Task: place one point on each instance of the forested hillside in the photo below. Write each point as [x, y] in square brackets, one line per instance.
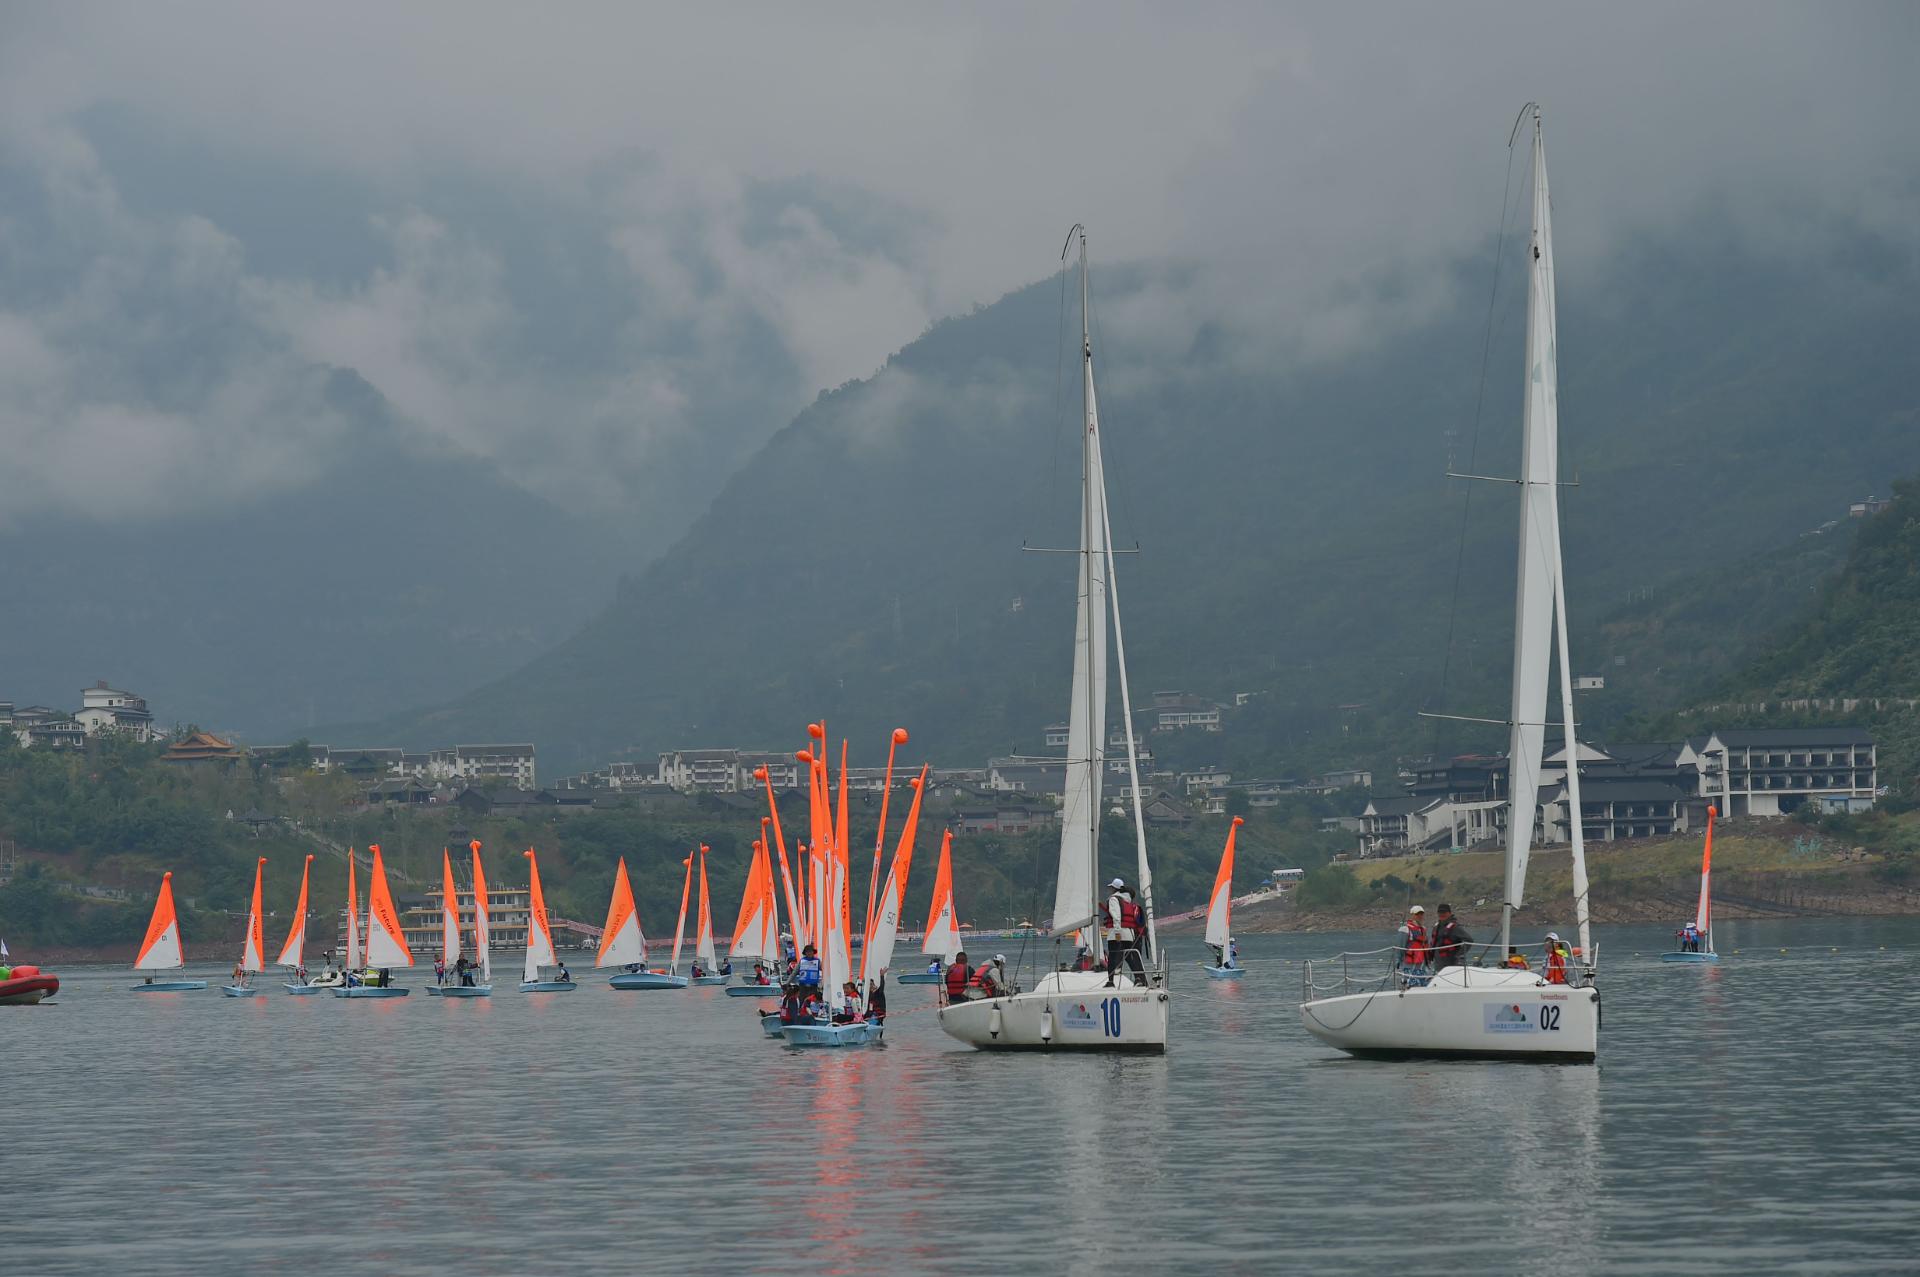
[1298, 538]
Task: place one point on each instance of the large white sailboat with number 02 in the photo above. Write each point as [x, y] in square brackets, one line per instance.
[1498, 1012]
[1070, 1010]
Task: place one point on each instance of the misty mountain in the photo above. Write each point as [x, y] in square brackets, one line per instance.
[1298, 538]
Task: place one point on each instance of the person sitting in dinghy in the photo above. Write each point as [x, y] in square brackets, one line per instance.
[699, 972]
[848, 1011]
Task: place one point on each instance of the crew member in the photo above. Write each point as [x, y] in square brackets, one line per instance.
[1557, 954]
[808, 972]
[1122, 924]
[990, 981]
[958, 974]
[1411, 945]
[1450, 940]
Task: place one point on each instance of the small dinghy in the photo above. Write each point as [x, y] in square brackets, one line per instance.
[772, 1024]
[624, 944]
[161, 951]
[648, 980]
[482, 969]
[942, 942]
[1696, 939]
[860, 1033]
[918, 977]
[706, 958]
[293, 952]
[386, 944]
[540, 939]
[1220, 916]
[253, 948]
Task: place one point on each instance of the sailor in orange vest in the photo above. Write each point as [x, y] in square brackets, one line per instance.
[1411, 946]
[1557, 954]
[955, 981]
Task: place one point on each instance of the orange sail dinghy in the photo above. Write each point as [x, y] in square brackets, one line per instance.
[161, 951]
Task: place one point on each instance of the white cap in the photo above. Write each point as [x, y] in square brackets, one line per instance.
[1118, 882]
[1553, 935]
[1418, 909]
[999, 957]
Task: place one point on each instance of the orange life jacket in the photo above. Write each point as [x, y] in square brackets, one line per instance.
[957, 977]
[1416, 945]
[1556, 965]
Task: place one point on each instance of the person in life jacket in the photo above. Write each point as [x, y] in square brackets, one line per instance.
[808, 970]
[1411, 941]
[848, 1011]
[1557, 955]
[957, 977]
[1122, 922]
[877, 1002]
[990, 981]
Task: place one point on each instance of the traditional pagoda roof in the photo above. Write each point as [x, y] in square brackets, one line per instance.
[202, 747]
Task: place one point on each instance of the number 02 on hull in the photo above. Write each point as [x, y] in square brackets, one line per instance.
[1510, 1021]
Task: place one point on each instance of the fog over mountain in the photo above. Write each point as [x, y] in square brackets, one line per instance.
[351, 357]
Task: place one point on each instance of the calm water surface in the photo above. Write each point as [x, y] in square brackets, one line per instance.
[1757, 1117]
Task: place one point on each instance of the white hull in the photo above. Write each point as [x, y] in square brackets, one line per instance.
[1466, 1013]
[1223, 973]
[1068, 1011]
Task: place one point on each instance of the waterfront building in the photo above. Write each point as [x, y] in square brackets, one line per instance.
[107, 709]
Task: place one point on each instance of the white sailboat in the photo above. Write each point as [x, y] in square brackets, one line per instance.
[160, 950]
[386, 943]
[1501, 1012]
[1220, 916]
[705, 954]
[253, 959]
[293, 952]
[1703, 915]
[756, 936]
[1079, 1010]
[482, 967]
[539, 938]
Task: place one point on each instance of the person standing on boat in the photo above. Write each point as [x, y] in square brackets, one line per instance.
[1411, 946]
[1557, 954]
[808, 972]
[1122, 925]
[1450, 940]
[957, 977]
[440, 969]
[877, 1002]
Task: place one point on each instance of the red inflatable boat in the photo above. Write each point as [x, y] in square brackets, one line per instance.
[25, 985]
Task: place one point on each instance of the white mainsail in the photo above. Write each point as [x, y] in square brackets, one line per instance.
[293, 952]
[253, 950]
[161, 949]
[943, 925]
[621, 942]
[449, 911]
[1075, 889]
[386, 947]
[703, 947]
[539, 933]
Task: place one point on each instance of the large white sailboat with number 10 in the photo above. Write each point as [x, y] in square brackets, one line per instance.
[1068, 1010]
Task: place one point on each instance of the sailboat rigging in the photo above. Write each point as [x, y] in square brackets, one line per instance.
[254, 946]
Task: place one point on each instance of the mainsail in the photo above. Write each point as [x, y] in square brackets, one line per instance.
[482, 931]
[943, 926]
[161, 948]
[386, 943]
[253, 951]
[449, 911]
[353, 914]
[1703, 917]
[877, 954]
[622, 944]
[703, 949]
[680, 924]
[539, 933]
[294, 950]
[1220, 905]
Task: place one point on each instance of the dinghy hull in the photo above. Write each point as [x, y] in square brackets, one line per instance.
[371, 991]
[1465, 1013]
[238, 990]
[465, 991]
[772, 1026]
[1223, 973]
[832, 1035]
[547, 986]
[1689, 957]
[1068, 1011]
[170, 986]
[711, 979]
[753, 990]
[648, 980]
[299, 990]
[917, 977]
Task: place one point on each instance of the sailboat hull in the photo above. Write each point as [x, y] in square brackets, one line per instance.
[648, 980]
[917, 977]
[464, 991]
[772, 1026]
[238, 990]
[170, 986]
[547, 986]
[714, 980]
[829, 1035]
[1068, 1011]
[753, 990]
[299, 990]
[1223, 973]
[1466, 1013]
[372, 991]
[1689, 957]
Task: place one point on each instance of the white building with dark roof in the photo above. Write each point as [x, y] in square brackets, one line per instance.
[107, 709]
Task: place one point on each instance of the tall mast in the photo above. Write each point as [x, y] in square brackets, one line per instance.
[1089, 540]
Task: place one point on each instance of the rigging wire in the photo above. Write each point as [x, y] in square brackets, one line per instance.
[1479, 412]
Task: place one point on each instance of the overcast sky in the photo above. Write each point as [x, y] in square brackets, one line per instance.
[616, 247]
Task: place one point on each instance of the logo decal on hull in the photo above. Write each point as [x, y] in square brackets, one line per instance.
[1508, 1017]
[1078, 1016]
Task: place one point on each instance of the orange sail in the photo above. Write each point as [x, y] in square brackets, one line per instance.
[253, 952]
[877, 953]
[449, 911]
[482, 936]
[1703, 918]
[1220, 903]
[621, 941]
[161, 948]
[703, 950]
[680, 926]
[898, 739]
[293, 951]
[841, 852]
[386, 943]
[539, 933]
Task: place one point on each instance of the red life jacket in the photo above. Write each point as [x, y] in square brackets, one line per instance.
[957, 977]
[1132, 917]
[1416, 944]
[984, 977]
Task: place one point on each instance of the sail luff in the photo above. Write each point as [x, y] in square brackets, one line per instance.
[161, 950]
[253, 950]
[293, 951]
